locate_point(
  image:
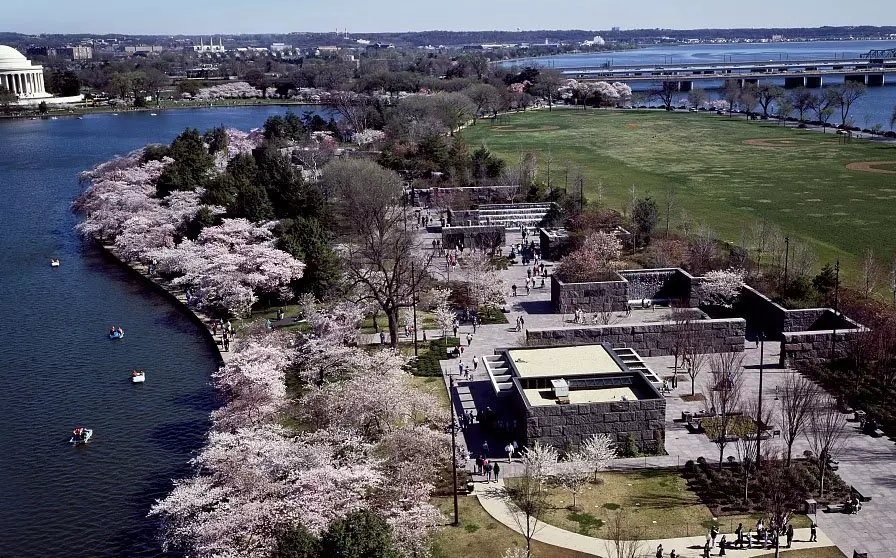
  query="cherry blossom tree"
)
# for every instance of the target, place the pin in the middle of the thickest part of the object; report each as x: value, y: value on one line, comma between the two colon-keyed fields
x: 483, y: 281
x: 367, y: 137
x: 573, y: 473
x: 721, y: 287
x: 598, y: 451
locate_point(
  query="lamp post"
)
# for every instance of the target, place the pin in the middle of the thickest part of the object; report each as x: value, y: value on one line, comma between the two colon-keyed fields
x: 836, y: 309
x: 786, y: 258
x: 759, y: 408
x: 414, y: 304
x: 453, y: 447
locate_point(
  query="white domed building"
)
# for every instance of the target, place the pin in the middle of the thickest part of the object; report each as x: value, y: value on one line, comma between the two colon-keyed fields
x: 26, y: 80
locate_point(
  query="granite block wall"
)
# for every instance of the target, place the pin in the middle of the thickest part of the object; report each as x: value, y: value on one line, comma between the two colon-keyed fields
x: 721, y: 336
x: 482, y: 236
x: 808, y: 346
x: 563, y: 425
x: 590, y: 297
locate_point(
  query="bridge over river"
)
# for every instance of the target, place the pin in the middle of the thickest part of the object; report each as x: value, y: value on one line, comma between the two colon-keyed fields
x: 870, y: 69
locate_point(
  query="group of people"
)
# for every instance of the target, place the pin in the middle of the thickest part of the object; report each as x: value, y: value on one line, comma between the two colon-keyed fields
x: 520, y: 323
x: 766, y: 537
x: 487, y: 468
x: 228, y: 333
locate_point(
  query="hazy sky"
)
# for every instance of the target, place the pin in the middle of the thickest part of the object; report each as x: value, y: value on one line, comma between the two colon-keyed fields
x: 193, y: 17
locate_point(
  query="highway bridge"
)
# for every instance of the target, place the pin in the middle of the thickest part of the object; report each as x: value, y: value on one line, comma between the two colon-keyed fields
x: 809, y: 73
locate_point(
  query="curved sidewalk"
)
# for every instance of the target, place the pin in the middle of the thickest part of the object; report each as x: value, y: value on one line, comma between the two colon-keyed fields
x: 494, y: 500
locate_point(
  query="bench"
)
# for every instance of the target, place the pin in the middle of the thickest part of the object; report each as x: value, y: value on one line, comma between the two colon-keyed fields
x: 834, y: 508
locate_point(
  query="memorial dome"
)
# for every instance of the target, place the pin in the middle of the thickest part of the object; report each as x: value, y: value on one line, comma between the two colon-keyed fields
x: 11, y: 59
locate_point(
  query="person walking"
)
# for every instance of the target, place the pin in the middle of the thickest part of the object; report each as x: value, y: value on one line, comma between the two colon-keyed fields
x: 469, y: 339
x: 522, y: 323
x: 488, y: 470
x: 739, y: 532
x: 226, y: 343
x: 527, y: 290
x: 659, y: 551
x: 513, y: 289
x: 706, y: 549
x: 495, y: 470
x: 749, y: 538
x: 789, y: 535
x: 713, y: 533
x: 509, y: 449
x: 672, y: 554
x: 382, y: 338
x: 813, y: 532
x: 722, y: 544
x: 475, y: 363
x: 460, y: 369
x: 478, y: 464
x: 454, y: 328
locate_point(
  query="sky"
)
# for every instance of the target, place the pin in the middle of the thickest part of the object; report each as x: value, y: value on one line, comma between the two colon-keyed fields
x: 206, y: 17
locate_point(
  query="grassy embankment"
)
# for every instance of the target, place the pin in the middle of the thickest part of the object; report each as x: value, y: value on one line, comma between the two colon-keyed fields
x: 726, y: 173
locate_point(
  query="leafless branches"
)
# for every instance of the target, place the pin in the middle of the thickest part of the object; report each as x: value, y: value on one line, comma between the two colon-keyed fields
x: 797, y: 395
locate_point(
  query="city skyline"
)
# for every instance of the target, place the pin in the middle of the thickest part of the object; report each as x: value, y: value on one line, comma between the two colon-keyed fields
x: 359, y: 17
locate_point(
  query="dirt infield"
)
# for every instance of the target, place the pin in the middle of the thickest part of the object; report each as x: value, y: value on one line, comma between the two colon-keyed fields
x: 771, y: 142
x: 871, y: 166
x: 503, y: 128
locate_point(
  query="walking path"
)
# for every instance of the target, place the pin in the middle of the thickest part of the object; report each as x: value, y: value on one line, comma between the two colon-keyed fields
x: 493, y: 498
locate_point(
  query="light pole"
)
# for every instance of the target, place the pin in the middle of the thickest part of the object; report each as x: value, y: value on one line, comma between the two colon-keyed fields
x: 836, y: 309
x: 759, y: 408
x: 414, y: 304
x: 453, y: 447
x: 786, y: 258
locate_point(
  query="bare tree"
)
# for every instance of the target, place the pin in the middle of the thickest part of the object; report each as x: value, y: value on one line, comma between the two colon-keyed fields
x: 665, y: 93
x: 701, y: 250
x: 528, y: 493
x: 747, y: 445
x: 843, y: 96
x: 797, y: 397
x: 768, y: 93
x: 731, y: 90
x: 670, y: 206
x: 352, y: 107
x: 869, y: 273
x: 623, y: 541
x: 723, y: 391
x: 696, y: 355
x: 382, y: 254
x: 749, y: 98
x: 780, y: 497
x: 826, y: 434
x: 801, y: 99
x: 697, y: 96
x: 681, y: 335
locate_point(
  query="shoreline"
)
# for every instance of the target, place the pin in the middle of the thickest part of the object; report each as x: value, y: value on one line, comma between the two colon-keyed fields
x: 174, y: 294
x: 76, y: 111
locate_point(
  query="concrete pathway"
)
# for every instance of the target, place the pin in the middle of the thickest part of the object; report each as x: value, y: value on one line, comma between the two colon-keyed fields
x: 494, y: 499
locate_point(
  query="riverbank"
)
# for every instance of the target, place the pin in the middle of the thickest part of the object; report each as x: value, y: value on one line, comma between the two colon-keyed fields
x: 173, y: 293
x: 76, y: 111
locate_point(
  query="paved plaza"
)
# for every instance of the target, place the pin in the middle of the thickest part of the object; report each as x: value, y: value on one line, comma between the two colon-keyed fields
x: 866, y: 462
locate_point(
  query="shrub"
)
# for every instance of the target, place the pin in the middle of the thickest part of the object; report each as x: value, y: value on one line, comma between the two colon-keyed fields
x: 427, y: 363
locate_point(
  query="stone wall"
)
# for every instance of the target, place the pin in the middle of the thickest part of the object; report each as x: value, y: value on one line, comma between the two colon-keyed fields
x: 761, y: 313
x: 482, y: 237
x: 590, y: 297
x: 563, y: 425
x: 809, y: 346
x: 721, y: 336
x: 671, y: 284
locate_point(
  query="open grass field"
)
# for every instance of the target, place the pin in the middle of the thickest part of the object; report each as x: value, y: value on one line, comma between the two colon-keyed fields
x: 726, y: 173
x: 658, y: 504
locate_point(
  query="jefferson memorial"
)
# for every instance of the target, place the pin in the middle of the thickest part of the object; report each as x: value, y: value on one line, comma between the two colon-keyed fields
x: 25, y: 80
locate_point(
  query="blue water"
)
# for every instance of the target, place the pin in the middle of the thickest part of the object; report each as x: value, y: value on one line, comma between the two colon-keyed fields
x: 875, y: 108
x: 59, y: 370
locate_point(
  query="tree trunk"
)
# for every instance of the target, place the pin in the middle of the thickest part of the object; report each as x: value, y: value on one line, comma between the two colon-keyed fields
x: 392, y: 314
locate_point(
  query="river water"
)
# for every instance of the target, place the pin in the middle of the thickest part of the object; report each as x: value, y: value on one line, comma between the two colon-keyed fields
x: 875, y: 108
x: 59, y: 370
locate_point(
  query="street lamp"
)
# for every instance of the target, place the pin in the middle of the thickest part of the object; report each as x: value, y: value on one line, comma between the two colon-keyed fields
x: 414, y: 303
x: 836, y: 309
x: 453, y: 448
x: 759, y: 409
x: 786, y: 258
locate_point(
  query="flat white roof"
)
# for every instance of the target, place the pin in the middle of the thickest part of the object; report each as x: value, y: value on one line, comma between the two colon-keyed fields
x: 544, y: 397
x: 584, y: 360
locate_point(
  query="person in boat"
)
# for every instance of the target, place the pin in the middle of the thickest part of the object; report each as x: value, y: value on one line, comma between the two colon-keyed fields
x: 120, y: 331
x: 112, y: 330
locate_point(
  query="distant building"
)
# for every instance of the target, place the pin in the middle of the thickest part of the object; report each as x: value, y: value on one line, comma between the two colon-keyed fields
x: 81, y: 52
x: 615, y: 29
x: 280, y: 47
x: 210, y: 48
x: 144, y: 49
x: 41, y: 51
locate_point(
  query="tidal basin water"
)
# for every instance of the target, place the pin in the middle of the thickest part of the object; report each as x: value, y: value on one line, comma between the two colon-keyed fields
x: 59, y: 370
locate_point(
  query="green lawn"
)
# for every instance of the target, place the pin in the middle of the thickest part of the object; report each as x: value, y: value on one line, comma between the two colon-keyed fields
x: 802, y: 184
x: 825, y: 552
x: 658, y: 503
x: 480, y: 535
